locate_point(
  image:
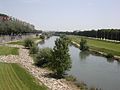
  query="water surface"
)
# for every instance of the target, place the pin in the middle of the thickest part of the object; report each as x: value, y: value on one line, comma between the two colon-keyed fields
x: 95, y: 71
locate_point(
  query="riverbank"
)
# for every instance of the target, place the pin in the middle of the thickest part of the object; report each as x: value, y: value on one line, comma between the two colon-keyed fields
x: 95, y: 51
x: 99, y: 45
x: 41, y: 74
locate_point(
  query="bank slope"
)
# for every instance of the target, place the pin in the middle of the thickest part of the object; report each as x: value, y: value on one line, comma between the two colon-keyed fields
x: 13, y: 77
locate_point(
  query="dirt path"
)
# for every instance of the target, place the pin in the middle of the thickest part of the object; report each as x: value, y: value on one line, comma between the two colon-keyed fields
x: 41, y: 74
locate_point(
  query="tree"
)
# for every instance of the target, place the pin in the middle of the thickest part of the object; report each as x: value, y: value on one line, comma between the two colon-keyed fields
x: 43, y: 57
x: 83, y: 45
x: 60, y: 61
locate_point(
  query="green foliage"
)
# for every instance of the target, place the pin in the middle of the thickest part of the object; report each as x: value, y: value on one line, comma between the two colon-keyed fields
x: 34, y: 49
x: 43, y: 57
x: 70, y: 78
x: 13, y: 26
x: 28, y: 42
x: 65, y: 38
x: 83, y: 45
x: 42, y: 37
x: 81, y: 85
x: 37, y: 35
x: 60, y: 61
x: 109, y: 55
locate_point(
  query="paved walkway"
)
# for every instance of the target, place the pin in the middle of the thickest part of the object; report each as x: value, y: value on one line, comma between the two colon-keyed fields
x: 27, y: 62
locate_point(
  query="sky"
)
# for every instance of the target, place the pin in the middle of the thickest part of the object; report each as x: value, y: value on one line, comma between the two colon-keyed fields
x: 65, y: 15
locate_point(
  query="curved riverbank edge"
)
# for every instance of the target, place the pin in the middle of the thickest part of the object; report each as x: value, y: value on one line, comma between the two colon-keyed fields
x: 96, y: 52
x: 26, y: 61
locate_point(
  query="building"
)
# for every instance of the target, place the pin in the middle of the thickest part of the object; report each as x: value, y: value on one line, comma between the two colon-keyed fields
x: 4, y: 17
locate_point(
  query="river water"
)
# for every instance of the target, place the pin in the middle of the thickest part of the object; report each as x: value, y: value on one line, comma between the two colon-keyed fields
x: 95, y: 71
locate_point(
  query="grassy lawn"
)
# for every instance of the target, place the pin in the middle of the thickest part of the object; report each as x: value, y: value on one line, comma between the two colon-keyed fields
x: 21, y: 42
x: 17, y: 42
x: 100, y: 45
x: 4, y: 50
x: 14, y: 77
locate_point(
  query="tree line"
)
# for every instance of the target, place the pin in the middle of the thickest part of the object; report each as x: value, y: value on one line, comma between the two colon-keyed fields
x: 15, y: 26
x: 112, y: 34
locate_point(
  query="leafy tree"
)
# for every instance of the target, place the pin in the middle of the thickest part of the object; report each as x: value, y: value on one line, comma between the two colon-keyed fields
x: 60, y: 61
x: 83, y: 45
x: 15, y: 26
x: 43, y: 57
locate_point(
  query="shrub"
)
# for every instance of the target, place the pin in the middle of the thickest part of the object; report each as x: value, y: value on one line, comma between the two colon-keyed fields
x: 34, y: 49
x: 37, y: 35
x: 83, y: 45
x: 109, y: 55
x: 42, y: 37
x: 70, y: 78
x: 28, y: 43
x: 43, y: 57
x: 81, y: 85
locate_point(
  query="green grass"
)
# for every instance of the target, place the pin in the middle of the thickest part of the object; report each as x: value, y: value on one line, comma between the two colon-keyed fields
x: 36, y: 38
x: 5, y: 50
x: 17, y: 42
x: 100, y: 45
x: 21, y: 42
x: 14, y: 77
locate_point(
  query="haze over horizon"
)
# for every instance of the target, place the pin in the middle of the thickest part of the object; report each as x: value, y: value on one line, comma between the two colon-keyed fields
x: 65, y: 14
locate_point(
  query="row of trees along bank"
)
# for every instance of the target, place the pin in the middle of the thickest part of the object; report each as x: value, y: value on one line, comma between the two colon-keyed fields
x: 112, y: 34
x: 10, y: 25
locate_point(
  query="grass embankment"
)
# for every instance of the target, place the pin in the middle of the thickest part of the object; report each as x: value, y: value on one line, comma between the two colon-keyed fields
x: 5, y: 50
x: 21, y: 42
x: 13, y: 77
x: 99, y: 45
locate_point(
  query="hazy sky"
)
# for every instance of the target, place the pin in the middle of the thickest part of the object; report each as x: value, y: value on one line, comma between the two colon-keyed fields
x: 65, y: 14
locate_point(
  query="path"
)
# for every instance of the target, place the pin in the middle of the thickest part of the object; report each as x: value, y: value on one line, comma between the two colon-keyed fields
x: 27, y: 62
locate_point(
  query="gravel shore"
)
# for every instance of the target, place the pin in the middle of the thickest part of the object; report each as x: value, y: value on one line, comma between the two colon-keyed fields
x: 40, y: 73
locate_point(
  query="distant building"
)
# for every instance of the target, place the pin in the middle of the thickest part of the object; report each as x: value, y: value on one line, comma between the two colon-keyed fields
x: 4, y: 17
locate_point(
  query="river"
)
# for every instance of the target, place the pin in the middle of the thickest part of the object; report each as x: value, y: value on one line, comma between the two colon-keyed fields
x: 95, y: 71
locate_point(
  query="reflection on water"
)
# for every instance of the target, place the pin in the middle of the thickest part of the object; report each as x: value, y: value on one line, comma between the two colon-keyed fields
x: 84, y: 54
x: 110, y: 60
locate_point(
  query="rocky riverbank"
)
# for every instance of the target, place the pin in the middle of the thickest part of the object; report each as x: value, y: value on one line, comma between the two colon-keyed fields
x: 41, y: 74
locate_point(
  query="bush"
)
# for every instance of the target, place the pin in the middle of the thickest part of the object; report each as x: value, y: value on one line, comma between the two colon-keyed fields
x: 83, y: 45
x: 28, y: 43
x: 37, y: 35
x: 109, y: 55
x: 70, y: 78
x: 43, y: 57
x: 34, y: 49
x: 81, y: 85
x: 42, y: 37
